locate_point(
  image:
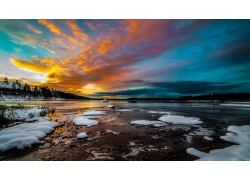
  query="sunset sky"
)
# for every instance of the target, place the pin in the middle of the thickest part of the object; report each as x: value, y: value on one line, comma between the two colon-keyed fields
x: 128, y: 58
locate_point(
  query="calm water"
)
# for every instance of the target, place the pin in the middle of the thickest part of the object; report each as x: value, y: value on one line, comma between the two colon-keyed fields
x: 235, y: 114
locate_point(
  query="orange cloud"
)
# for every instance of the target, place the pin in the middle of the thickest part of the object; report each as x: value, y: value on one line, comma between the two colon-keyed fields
x: 32, y: 28
x: 91, y: 26
x: 34, y: 66
x: 50, y: 25
x: 77, y: 31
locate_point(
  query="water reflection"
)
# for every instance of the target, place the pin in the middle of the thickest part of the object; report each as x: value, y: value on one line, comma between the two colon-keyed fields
x: 233, y: 112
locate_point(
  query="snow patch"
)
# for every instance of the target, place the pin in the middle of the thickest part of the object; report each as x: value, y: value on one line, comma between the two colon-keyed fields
x: 94, y: 113
x: 208, y: 138
x: 23, y: 114
x: 82, y: 135
x: 84, y: 121
x: 133, y: 152
x: 188, y: 138
x: 202, y: 132
x: 180, y: 119
x: 240, y: 135
x: 25, y: 134
x: 146, y: 122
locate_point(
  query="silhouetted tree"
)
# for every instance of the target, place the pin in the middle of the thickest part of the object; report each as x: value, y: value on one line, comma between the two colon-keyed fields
x: 5, y: 82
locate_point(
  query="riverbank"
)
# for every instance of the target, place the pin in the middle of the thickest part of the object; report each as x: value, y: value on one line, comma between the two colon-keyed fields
x: 114, y: 138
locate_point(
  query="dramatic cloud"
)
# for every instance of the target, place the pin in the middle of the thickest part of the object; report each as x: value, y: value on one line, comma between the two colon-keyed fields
x: 130, y: 57
x: 50, y: 25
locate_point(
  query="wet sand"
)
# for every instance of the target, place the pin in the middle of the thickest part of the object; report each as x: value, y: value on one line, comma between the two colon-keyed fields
x: 115, y: 139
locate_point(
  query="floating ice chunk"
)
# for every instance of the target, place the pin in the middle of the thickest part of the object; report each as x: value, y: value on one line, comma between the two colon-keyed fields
x: 180, y: 119
x: 208, y: 138
x: 25, y: 134
x: 94, y: 113
x: 84, y: 121
x: 158, y: 112
x: 125, y: 110
x: 82, y: 135
x: 146, y: 122
x: 232, y: 153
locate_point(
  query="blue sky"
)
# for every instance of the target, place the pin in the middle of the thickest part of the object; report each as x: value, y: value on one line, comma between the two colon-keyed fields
x: 127, y: 58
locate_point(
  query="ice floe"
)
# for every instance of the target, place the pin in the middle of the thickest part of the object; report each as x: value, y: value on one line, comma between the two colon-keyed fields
x: 180, y: 119
x: 82, y: 135
x: 94, y: 113
x: 146, y: 122
x: 208, y: 138
x: 85, y: 121
x: 25, y: 134
x: 239, y: 135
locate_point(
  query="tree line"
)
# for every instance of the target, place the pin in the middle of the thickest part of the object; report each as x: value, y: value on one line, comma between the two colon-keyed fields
x: 221, y: 97
x: 25, y: 90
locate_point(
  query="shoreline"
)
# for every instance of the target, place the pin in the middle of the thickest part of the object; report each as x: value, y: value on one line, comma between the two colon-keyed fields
x: 114, y: 138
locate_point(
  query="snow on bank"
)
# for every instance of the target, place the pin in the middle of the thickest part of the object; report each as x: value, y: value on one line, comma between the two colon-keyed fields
x: 180, y: 119
x: 85, y: 121
x: 23, y: 114
x: 146, y: 122
x: 25, y: 134
x: 82, y: 135
x: 94, y: 113
x: 240, y: 135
